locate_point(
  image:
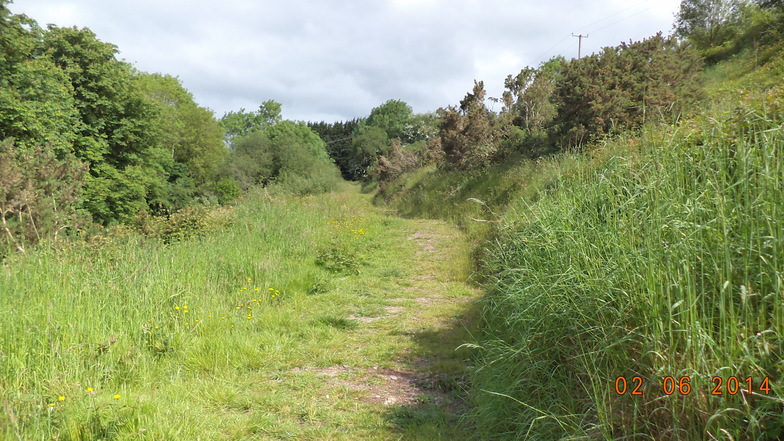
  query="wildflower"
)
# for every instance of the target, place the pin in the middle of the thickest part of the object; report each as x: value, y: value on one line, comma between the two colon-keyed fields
x: 157, y: 327
x: 61, y: 398
x: 117, y: 396
x: 89, y: 389
x: 177, y: 308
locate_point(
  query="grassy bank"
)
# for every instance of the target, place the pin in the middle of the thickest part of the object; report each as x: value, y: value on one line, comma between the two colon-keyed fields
x: 653, y: 260
x: 664, y: 263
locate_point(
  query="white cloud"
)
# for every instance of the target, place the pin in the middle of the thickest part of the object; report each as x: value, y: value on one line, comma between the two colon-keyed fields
x: 337, y: 59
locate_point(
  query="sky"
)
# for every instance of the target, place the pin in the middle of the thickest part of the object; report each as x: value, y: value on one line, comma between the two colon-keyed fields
x: 332, y: 60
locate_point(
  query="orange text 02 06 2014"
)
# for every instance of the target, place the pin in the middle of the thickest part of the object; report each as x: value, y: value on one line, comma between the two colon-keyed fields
x: 670, y: 385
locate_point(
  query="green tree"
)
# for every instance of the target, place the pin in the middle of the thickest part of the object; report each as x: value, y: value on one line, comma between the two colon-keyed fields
x: 420, y: 127
x: 338, y: 137
x: 527, y: 97
x: 288, y: 153
x: 393, y: 116
x: 117, y: 134
x: 708, y: 23
x: 36, y: 98
x: 366, y: 147
x: 469, y: 134
x: 188, y: 131
x: 623, y: 87
x: 242, y: 122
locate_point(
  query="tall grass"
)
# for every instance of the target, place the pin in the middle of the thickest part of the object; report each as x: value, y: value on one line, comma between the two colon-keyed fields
x: 663, y: 258
x: 137, y: 339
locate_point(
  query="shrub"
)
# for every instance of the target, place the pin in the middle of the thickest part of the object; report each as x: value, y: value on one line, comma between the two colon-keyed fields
x: 623, y: 87
x: 189, y: 222
x: 227, y: 190
x: 37, y: 194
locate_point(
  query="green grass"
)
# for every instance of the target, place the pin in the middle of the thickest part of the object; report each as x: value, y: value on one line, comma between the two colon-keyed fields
x: 245, y: 333
x: 665, y: 260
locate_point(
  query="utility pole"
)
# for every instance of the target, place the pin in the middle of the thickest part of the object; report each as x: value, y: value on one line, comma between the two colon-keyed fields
x: 579, y: 43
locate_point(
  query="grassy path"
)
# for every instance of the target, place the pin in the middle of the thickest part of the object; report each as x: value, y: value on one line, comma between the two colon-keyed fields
x: 391, y: 370
x: 317, y: 318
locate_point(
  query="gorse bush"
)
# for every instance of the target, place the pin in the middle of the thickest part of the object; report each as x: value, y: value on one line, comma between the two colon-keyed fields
x: 623, y: 87
x: 38, y: 193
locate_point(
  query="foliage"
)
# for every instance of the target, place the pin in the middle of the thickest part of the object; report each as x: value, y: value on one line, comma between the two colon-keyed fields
x: 622, y: 88
x: 469, y: 134
x: 287, y: 153
x: 227, y: 190
x: 37, y: 105
x: 708, y: 23
x: 118, y: 134
x: 367, y: 145
x: 189, y: 132
x: 242, y: 122
x: 719, y: 29
x: 420, y: 127
x: 38, y: 193
x: 393, y: 117
x: 395, y: 162
x: 338, y: 136
x: 184, y: 224
x: 528, y: 96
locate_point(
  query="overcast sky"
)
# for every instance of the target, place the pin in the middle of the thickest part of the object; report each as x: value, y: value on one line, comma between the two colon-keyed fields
x: 337, y: 59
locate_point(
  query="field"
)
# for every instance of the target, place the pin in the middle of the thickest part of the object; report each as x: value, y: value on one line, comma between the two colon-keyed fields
x: 307, y: 318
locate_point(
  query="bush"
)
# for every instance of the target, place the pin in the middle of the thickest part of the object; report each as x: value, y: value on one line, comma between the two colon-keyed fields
x: 191, y: 221
x: 227, y: 190
x: 624, y: 87
x: 288, y: 154
x: 38, y: 193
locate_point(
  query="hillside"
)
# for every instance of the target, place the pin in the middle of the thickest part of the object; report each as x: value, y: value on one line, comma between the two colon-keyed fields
x: 634, y: 289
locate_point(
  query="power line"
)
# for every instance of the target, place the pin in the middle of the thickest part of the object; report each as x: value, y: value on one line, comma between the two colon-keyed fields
x: 624, y: 18
x: 618, y: 13
x: 604, y: 26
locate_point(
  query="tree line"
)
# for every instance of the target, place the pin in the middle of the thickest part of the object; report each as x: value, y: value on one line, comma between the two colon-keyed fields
x: 86, y: 139
x: 561, y: 104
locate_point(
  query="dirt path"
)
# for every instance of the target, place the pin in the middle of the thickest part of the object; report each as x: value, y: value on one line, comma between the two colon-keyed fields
x: 403, y: 358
